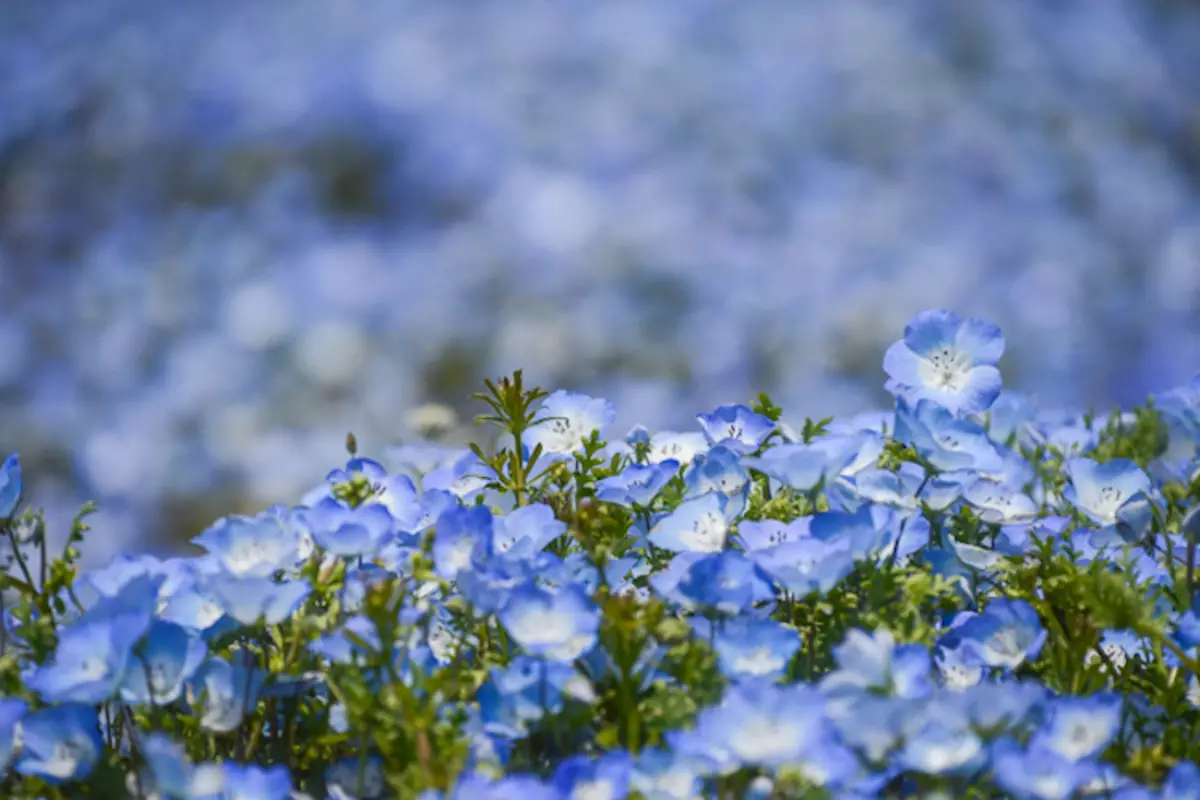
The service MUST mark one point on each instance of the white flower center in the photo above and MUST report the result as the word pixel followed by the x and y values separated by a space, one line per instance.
pixel 708 533
pixel 946 368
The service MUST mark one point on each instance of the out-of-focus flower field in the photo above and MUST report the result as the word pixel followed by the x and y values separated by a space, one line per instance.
pixel 231 232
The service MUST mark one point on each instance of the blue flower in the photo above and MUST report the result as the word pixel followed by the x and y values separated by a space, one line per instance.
pixel 1036 773
pixel 637 484
pixel 525 530
pixel 875 661
pixel 758 535
pixel 603 778
pixel 351 532
pixel 1183 782
pixel 945 441
pixel 60 743
pixel 947 360
pixel 464 537
pixel 250 600
pixel 798 466
pixel 750 648
pixel 168 772
pixel 251 782
pixel 253 546
pixel 12 710
pixel 557 625
pixel 224 693
pixel 1114 495
pixel 1080 727
pixel 10 485
pixel 761 724
pixel 700 525
pixel 565 420
pixel 1005 635
pixel 736 428
pixel 719 470
pixel 677 446
pixel 518 696
pixel 726 582
pixel 510 787
pixel 662 775
pixel 168 657
pixel 806 565
pixel 938 740
pixel 90 661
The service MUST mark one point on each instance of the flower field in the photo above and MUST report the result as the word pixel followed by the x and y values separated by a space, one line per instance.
pixel 963 596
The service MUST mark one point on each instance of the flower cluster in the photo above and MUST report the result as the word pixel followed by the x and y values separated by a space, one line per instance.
pixel 229 231
pixel 961 597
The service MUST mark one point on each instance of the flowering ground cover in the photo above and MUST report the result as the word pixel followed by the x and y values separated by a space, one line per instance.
pixel 964 596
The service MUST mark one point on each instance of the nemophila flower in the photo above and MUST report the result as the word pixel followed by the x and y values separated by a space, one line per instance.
pixel 1011 419
pixel 718 470
pixel 798 466
pixel 660 775
pixel 749 648
pixel 167 771
pixel 10 485
pixel 1183 782
pixel 956 667
pixel 252 546
pixel 637 484
pixel 875 661
pixel 464 478
pixel 510 787
pixel 871 725
pixel 1114 494
pixel 1002 707
pixel 1080 727
pixel 224 693
pixel 526 530
pixel 168 656
pixel 897 490
pixel 60 743
pixel 947 360
pixel 947 442
pixel 677 446
pixel 12 710
pixel 252 782
pixel 350 532
pixel 517 696
pixel 565 420
pixel 872 532
pixel 998 504
pixel 586 778
pixel 1037 773
pixel 558 625
pixel 398 494
pixel 699 524
pixel 1182 405
pixel 763 724
pixel 736 428
pixel 251 600
pixel 758 535
pixel 464 537
pixel 726 582
pixel 938 740
pixel 806 565
pixel 355 778
pixel 1005 635
pixel 90 661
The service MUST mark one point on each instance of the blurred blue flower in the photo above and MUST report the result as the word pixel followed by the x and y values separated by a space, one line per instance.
pixel 10 485
pixel 558 625
pixel 60 743
pixel 167 658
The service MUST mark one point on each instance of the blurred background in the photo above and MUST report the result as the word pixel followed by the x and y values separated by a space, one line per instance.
pixel 231 232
